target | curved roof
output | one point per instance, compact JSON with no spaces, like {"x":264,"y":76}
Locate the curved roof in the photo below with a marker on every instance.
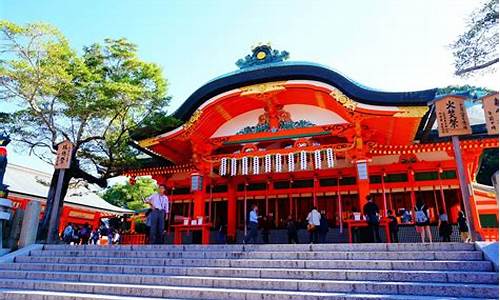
{"x":299,"y":71}
{"x":26,"y":181}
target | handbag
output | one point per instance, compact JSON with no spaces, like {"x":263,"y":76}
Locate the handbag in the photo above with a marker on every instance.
{"x":311,"y":227}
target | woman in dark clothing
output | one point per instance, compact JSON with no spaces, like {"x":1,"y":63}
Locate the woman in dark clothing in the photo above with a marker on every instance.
{"x":323,"y":228}
{"x":393,"y":226}
{"x":463,"y":228}
{"x":444,"y":227}
{"x":266,"y":229}
{"x":291,"y":228}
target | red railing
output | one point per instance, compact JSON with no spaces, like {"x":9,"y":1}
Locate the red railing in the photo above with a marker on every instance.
{"x":133,"y":239}
{"x":489,"y":234}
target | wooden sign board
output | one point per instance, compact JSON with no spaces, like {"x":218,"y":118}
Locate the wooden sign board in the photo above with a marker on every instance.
{"x":64,"y":151}
{"x":490,"y":106}
{"x":451,"y":116}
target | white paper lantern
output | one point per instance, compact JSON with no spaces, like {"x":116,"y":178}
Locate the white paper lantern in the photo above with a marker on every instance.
{"x":330,"y":158}
{"x":223,"y":167}
{"x":277,"y":163}
{"x":244,"y":166}
{"x":303,"y":160}
{"x":255,"y":165}
{"x":291,"y":162}
{"x":267,"y":163}
{"x":233,"y":167}
{"x":317,"y":159}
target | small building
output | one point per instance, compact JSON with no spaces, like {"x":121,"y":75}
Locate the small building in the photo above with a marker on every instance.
{"x":81,"y":205}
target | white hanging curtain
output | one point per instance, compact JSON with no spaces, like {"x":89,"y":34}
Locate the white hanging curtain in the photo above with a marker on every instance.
{"x":277,"y":163}
{"x":291,"y":162}
{"x":317,"y":159}
{"x":303,"y":160}
{"x":233,"y":167}
{"x":223,"y":167}
{"x":244,"y":166}
{"x":267,"y":163}
{"x":330,"y":160}
{"x":255,"y":165}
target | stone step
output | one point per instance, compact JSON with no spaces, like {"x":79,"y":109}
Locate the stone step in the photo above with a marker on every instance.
{"x":9,"y":294}
{"x":356,"y":255}
{"x":281,"y":247}
{"x":217,"y":288}
{"x":129,"y":274}
{"x":275,"y":263}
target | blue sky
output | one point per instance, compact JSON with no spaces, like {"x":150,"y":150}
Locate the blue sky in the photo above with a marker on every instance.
{"x":390,"y":45}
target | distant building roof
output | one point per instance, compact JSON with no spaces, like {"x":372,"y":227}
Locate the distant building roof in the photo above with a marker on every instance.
{"x":35,"y":184}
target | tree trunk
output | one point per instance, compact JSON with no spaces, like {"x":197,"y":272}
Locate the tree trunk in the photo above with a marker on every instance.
{"x":44,"y":224}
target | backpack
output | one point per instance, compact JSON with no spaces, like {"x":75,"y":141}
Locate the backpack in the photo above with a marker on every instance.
{"x":420,"y":215}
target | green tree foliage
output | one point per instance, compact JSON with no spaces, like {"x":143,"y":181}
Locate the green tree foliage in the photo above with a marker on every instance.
{"x":130,"y":195}
{"x":477,"y":49}
{"x":95,"y":99}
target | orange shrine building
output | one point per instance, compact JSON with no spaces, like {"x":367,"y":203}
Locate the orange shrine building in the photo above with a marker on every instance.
{"x":292,"y":135}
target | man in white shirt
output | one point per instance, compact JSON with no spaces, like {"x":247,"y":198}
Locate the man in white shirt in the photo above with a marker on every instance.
{"x":253,"y":222}
{"x":313,"y":220}
{"x":159,"y":210}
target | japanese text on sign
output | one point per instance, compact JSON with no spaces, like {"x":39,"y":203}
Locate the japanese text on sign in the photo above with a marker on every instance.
{"x":452,"y":117}
{"x":490,"y":106}
{"x":63,"y":159}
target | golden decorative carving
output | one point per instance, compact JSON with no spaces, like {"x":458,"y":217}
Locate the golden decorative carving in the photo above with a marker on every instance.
{"x":148,"y":142}
{"x":262,"y":88}
{"x":344,"y":100}
{"x":223,"y":112}
{"x":195,"y":117}
{"x":319,"y":99}
{"x":411,"y":111}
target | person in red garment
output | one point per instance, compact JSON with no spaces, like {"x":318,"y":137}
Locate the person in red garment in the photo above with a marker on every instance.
{"x":4,"y":141}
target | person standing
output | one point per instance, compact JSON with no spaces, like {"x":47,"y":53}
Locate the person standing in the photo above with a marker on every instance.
{"x":291,"y":228}
{"x":253,"y":222}
{"x":444,"y":227}
{"x":313,"y":222}
{"x":159,"y":210}
{"x":94,"y":238}
{"x":393,"y":226}
{"x":85,"y":234}
{"x":406,"y":217}
{"x":371,"y":212}
{"x":68,"y":234}
{"x":266,"y":229}
{"x":221,"y":230}
{"x":463,"y":227}
{"x":422,"y":220}
{"x":323,"y":228}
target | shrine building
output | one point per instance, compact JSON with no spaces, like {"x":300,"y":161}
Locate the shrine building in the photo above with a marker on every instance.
{"x":292,"y":135}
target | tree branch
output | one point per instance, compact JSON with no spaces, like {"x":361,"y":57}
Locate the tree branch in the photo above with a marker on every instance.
{"x":79,"y":173}
{"x":476,"y":68}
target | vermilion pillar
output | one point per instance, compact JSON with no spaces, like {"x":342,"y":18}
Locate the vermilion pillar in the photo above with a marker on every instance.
{"x":231,"y":211}
{"x":199,"y":199}
{"x":363,"y":183}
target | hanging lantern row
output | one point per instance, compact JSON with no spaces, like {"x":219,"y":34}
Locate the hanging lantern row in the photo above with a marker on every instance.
{"x":270,"y":163}
{"x":442,"y":146}
{"x":185,"y":168}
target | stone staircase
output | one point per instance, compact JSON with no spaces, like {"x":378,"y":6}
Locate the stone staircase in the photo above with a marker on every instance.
{"x":322,"y":271}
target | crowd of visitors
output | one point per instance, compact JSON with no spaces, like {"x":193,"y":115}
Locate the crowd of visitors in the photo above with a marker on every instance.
{"x":85,"y":235}
{"x":318,"y":227}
